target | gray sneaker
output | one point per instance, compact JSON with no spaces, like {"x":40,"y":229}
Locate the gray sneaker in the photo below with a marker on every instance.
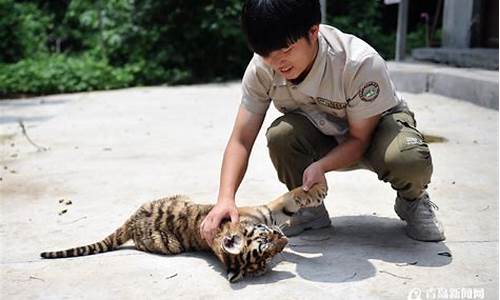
{"x":421,"y":222}
{"x":306,"y":219}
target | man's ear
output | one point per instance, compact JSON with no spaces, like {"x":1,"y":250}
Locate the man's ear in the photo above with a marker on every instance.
{"x":232,"y":244}
{"x":313,"y":33}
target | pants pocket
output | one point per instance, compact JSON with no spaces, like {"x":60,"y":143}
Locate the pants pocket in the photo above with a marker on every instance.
{"x":409,"y":137}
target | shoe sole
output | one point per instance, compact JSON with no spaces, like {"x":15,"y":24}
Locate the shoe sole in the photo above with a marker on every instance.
{"x":415,"y":237}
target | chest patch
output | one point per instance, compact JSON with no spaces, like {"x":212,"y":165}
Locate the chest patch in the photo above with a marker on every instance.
{"x":331,"y":104}
{"x":369,"y":92}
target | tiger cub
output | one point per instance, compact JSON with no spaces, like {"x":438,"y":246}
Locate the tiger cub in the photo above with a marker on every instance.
{"x":171,"y":226}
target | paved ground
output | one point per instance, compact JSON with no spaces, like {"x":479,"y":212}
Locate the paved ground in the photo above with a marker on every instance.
{"x":111,"y":151}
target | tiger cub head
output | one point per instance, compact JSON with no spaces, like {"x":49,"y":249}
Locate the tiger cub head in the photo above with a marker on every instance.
{"x":247,"y":248}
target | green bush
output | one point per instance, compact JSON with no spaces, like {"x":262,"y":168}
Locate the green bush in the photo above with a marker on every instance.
{"x":176,"y":41}
{"x":116,"y":43}
{"x":200,"y":39}
{"x":80,"y":45}
{"x":418,"y":38}
{"x":23,"y":31}
{"x":363,"y":19}
{"x":62,"y":74}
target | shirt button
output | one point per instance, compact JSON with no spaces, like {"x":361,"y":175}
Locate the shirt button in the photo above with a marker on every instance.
{"x":322,"y":123}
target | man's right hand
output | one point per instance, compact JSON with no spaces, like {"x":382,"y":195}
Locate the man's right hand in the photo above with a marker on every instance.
{"x":222,"y":210}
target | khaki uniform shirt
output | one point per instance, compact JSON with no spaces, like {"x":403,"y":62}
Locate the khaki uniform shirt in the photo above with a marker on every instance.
{"x":348,"y":81}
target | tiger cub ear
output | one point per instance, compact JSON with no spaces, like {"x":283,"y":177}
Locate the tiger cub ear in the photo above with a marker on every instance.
{"x":232,"y":244}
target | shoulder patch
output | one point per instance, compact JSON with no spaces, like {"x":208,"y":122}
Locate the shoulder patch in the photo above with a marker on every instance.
{"x":369,"y":92}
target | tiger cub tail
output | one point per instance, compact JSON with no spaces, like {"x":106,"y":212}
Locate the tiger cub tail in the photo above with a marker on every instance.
{"x":110,"y":243}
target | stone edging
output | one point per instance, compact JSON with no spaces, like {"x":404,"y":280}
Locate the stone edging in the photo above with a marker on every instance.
{"x":473,"y":85}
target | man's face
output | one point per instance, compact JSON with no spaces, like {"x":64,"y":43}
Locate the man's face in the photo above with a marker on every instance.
{"x":296,"y":60}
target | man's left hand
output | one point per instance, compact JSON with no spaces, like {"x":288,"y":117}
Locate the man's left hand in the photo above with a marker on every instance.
{"x":312,"y":175}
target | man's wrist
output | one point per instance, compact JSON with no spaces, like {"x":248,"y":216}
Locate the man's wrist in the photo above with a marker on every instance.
{"x":226,"y":200}
{"x":322,"y":164}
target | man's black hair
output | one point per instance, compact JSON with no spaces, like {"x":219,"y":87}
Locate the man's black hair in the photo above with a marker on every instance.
{"x":270,"y":25}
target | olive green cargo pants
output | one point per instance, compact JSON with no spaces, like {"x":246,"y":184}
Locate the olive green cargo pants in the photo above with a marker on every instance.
{"x":397,"y":152}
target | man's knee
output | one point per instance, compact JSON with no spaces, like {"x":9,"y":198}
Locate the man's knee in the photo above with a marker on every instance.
{"x":412,"y":165}
{"x":281,"y":137}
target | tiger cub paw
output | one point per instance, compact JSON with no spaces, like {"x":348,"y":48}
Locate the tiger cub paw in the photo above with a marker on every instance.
{"x":312,"y":198}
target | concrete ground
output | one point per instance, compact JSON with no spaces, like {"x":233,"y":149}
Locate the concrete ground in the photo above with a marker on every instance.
{"x":111,"y":151}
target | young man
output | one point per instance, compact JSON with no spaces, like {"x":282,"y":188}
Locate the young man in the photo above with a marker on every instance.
{"x":340,"y":111}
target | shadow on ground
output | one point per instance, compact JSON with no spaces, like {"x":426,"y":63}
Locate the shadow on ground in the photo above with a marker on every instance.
{"x":41,"y":115}
{"x":342,"y":253}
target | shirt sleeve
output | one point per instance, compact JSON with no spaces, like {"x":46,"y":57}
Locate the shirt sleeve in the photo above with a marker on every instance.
{"x":370,"y":90}
{"x":256,"y":84}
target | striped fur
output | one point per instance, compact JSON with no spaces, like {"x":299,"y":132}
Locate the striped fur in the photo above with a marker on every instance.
{"x":171,"y":226}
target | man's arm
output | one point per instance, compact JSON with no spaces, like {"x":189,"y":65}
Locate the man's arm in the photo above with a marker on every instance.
{"x":234,"y":165}
{"x":345,"y":154}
